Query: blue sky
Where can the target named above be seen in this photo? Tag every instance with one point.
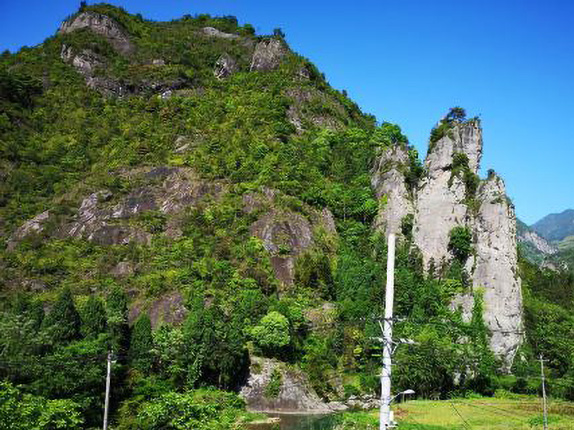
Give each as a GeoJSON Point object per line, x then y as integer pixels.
{"type": "Point", "coordinates": [511, 62]}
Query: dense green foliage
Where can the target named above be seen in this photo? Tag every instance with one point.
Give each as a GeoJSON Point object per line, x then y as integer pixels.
{"type": "Point", "coordinates": [460, 243]}
{"type": "Point", "coordinates": [272, 332]}
{"type": "Point", "coordinates": [19, 411]}
{"type": "Point", "coordinates": [60, 141]}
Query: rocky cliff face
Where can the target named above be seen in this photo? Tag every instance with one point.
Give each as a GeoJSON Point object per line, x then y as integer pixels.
{"type": "Point", "coordinates": [448, 196]}
{"type": "Point", "coordinates": [495, 270]}
{"type": "Point", "coordinates": [388, 181]}
{"type": "Point", "coordinates": [102, 25]}
{"type": "Point", "coordinates": [440, 204]}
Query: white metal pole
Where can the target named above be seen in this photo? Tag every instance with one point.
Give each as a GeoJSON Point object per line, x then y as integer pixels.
{"type": "Point", "coordinates": [545, 407]}
{"type": "Point", "coordinates": [108, 383]}
{"type": "Point", "coordinates": [385, 418]}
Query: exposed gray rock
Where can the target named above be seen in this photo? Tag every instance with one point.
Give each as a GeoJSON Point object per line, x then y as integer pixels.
{"type": "Point", "coordinates": [168, 309]}
{"type": "Point", "coordinates": [538, 242]}
{"type": "Point", "coordinates": [285, 235]}
{"type": "Point", "coordinates": [295, 394]}
{"type": "Point", "coordinates": [496, 269]}
{"type": "Point", "coordinates": [214, 32]}
{"type": "Point", "coordinates": [440, 202]}
{"type": "Point", "coordinates": [225, 66]}
{"type": "Point", "coordinates": [34, 225]}
{"type": "Point", "coordinates": [268, 55]}
{"type": "Point", "coordinates": [388, 181]}
{"type": "Point", "coordinates": [106, 222]}
{"type": "Point", "coordinates": [102, 25]}
{"type": "Point", "coordinates": [464, 302]}
{"type": "Point", "coordinates": [87, 63]}
{"type": "Point", "coordinates": [123, 269]}
{"type": "Point", "coordinates": [301, 115]}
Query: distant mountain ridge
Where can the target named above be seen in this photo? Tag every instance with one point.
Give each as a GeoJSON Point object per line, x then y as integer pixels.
{"type": "Point", "coordinates": [534, 247]}
{"type": "Point", "coordinates": [556, 227]}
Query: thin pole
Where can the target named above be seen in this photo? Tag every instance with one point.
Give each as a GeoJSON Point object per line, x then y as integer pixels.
{"type": "Point", "coordinates": [385, 416]}
{"type": "Point", "coordinates": [545, 407]}
{"type": "Point", "coordinates": [108, 383]}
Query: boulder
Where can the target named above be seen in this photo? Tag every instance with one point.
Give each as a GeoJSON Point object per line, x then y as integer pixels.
{"type": "Point", "coordinates": [214, 32]}
{"type": "Point", "coordinates": [272, 386]}
{"type": "Point", "coordinates": [268, 55]}
{"type": "Point", "coordinates": [225, 66]}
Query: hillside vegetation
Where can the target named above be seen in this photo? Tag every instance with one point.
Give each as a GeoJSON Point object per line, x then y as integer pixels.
{"type": "Point", "coordinates": [165, 196]}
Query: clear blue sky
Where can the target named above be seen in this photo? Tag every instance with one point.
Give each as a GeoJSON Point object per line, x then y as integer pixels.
{"type": "Point", "coordinates": [511, 62]}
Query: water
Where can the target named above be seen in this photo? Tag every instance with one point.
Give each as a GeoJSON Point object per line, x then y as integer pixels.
{"type": "Point", "coordinates": [306, 422]}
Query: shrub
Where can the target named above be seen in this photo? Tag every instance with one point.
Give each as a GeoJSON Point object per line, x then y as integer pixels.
{"type": "Point", "coordinates": [272, 333]}
{"type": "Point", "coordinates": [460, 243]}
{"type": "Point", "coordinates": [199, 410]}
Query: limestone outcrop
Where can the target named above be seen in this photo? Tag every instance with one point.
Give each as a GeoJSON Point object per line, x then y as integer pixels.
{"type": "Point", "coordinates": [285, 234]}
{"type": "Point", "coordinates": [451, 195]}
{"type": "Point", "coordinates": [103, 25]}
{"type": "Point", "coordinates": [225, 66]}
{"type": "Point", "coordinates": [440, 204]}
{"type": "Point", "coordinates": [388, 181]}
{"type": "Point", "coordinates": [495, 271]}
{"type": "Point", "coordinates": [268, 55]}
{"type": "Point", "coordinates": [106, 219]}
{"type": "Point", "coordinates": [272, 386]}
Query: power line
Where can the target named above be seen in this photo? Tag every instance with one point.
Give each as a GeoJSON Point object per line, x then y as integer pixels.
{"type": "Point", "coordinates": [466, 424]}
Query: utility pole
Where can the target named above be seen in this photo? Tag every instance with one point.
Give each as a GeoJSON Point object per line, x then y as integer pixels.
{"type": "Point", "coordinates": [386, 420]}
{"type": "Point", "coordinates": [545, 408]}
{"type": "Point", "coordinates": [108, 383]}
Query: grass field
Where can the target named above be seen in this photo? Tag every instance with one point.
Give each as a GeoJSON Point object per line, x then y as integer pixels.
{"type": "Point", "coordinates": [483, 414]}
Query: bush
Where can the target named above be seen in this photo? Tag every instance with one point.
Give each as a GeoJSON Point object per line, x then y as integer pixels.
{"type": "Point", "coordinates": [199, 410]}
{"type": "Point", "coordinates": [460, 243]}
{"type": "Point", "coordinates": [272, 333]}
{"type": "Point", "coordinates": [20, 411]}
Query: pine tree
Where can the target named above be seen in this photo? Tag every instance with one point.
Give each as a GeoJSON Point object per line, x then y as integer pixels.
{"type": "Point", "coordinates": [141, 344]}
{"type": "Point", "coordinates": [94, 318]}
{"type": "Point", "coordinates": [117, 310]}
{"type": "Point", "coordinates": [63, 321]}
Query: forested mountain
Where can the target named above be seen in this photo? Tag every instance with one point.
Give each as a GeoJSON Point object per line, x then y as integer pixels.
{"type": "Point", "coordinates": [199, 200]}
{"type": "Point", "coordinates": [556, 227]}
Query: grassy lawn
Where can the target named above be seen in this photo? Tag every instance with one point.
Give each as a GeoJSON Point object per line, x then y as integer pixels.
{"type": "Point", "coordinates": [483, 414]}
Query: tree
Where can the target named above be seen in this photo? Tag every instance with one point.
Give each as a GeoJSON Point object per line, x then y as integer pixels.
{"type": "Point", "coordinates": [117, 310]}
{"type": "Point", "coordinates": [278, 33]}
{"type": "Point", "coordinates": [456, 114]}
{"type": "Point", "coordinates": [460, 243]}
{"type": "Point", "coordinates": [272, 332]}
{"type": "Point", "coordinates": [63, 321]}
{"type": "Point", "coordinates": [141, 344]}
{"type": "Point", "coordinates": [94, 318]}
{"type": "Point", "coordinates": [19, 411]}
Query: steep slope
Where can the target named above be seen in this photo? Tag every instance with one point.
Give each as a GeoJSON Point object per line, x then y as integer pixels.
{"type": "Point", "coordinates": [198, 198]}
{"type": "Point", "coordinates": [533, 246]}
{"type": "Point", "coordinates": [556, 227]}
{"type": "Point", "coordinates": [463, 227]}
